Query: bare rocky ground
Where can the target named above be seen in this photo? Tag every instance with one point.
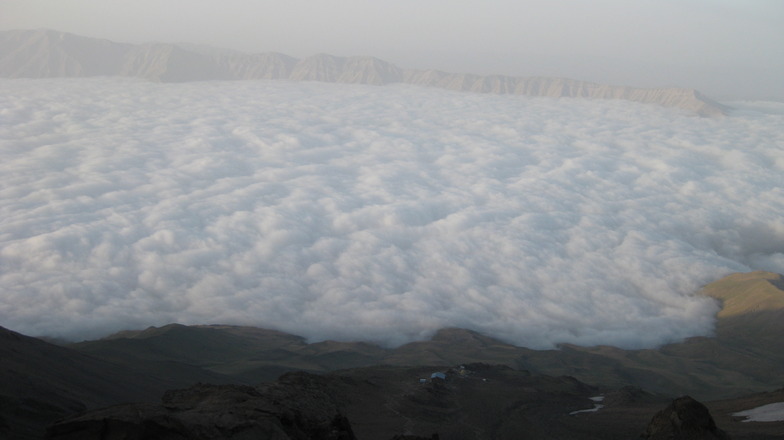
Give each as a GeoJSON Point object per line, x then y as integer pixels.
{"type": "Point", "coordinates": [475, 401]}
{"type": "Point", "coordinates": [129, 382]}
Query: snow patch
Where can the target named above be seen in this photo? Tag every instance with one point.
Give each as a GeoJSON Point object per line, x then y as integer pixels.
{"type": "Point", "coordinates": [773, 412]}
{"type": "Point", "coordinates": [596, 406]}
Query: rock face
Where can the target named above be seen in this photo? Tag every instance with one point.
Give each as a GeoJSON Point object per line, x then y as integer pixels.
{"type": "Point", "coordinates": [46, 53]}
{"type": "Point", "coordinates": [684, 419]}
{"type": "Point", "coordinates": [41, 382]}
{"type": "Point", "coordinates": [216, 412]}
{"type": "Point", "coordinates": [382, 402]}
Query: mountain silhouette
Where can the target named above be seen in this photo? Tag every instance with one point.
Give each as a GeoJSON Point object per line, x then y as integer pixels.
{"type": "Point", "coordinates": [46, 53]}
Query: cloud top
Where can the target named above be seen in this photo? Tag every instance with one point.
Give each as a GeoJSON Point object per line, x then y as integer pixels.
{"type": "Point", "coordinates": [363, 213]}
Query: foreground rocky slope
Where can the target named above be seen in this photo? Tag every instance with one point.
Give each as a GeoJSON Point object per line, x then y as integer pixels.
{"type": "Point", "coordinates": [500, 389]}
{"type": "Point", "coordinates": [475, 401]}
{"type": "Point", "coordinates": [471, 402]}
{"type": "Point", "coordinates": [46, 53]}
{"type": "Point", "coordinates": [40, 382]}
{"type": "Point", "coordinates": [218, 412]}
{"type": "Point", "coordinates": [745, 356]}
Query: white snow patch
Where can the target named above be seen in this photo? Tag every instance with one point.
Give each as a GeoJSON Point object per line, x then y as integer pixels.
{"type": "Point", "coordinates": [773, 412]}
{"type": "Point", "coordinates": [596, 406]}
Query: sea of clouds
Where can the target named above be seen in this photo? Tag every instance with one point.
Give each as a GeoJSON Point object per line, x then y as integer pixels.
{"type": "Point", "coordinates": [376, 213]}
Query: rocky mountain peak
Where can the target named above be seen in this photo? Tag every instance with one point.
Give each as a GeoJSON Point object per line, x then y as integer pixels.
{"type": "Point", "coordinates": [44, 53]}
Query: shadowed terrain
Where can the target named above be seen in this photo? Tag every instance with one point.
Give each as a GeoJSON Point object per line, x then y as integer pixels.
{"type": "Point", "coordinates": [491, 390]}
{"type": "Point", "coordinates": [745, 355]}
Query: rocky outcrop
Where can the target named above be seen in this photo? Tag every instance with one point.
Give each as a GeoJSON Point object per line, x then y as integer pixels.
{"type": "Point", "coordinates": [41, 382]}
{"type": "Point", "coordinates": [684, 419]}
{"type": "Point", "coordinates": [216, 412]}
{"type": "Point", "coordinates": [269, 65]}
{"type": "Point", "coordinates": [381, 402]}
{"type": "Point", "coordinates": [46, 53]}
{"type": "Point", "coordinates": [369, 70]}
{"type": "Point", "coordinates": [415, 437]}
{"type": "Point", "coordinates": [170, 63]}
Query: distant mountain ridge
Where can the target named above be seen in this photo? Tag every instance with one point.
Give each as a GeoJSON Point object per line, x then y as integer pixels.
{"type": "Point", "coordinates": [46, 53]}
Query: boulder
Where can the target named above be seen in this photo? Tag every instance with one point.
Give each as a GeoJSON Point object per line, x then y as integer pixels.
{"type": "Point", "coordinates": [684, 419]}
{"type": "Point", "coordinates": [215, 412]}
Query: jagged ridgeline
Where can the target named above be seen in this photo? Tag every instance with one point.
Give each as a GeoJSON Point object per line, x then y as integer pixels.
{"type": "Point", "coordinates": [46, 53]}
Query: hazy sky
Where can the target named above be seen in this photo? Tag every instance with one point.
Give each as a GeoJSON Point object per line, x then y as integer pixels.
{"type": "Point", "coordinates": [726, 48]}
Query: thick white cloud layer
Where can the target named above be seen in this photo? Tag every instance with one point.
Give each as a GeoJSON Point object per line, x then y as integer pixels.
{"type": "Point", "coordinates": [376, 213]}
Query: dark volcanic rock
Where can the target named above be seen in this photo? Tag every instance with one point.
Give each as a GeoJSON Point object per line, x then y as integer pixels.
{"type": "Point", "coordinates": [629, 396]}
{"type": "Point", "coordinates": [215, 412]}
{"type": "Point", "coordinates": [415, 437]}
{"type": "Point", "coordinates": [42, 382]}
{"type": "Point", "coordinates": [684, 419]}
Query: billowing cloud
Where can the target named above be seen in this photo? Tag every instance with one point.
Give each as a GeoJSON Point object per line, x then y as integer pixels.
{"type": "Point", "coordinates": [376, 213]}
